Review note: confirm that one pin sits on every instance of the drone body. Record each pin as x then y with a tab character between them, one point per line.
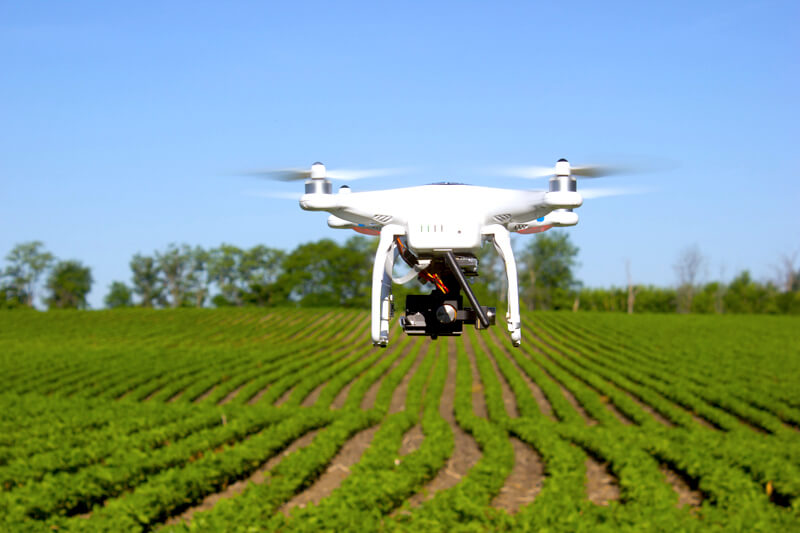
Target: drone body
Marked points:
438	229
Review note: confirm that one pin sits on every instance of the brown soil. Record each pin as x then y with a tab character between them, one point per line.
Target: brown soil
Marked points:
536	392
655	414
686	494
176	396
341	397
369	398
257	477
338	470
613	408
260	394
702	421
412	440
279	401
509	400
465	453
312	398
149	396
699	419
398	402
478	398
231	395
524	482
601	485
206	394
605	399
568	395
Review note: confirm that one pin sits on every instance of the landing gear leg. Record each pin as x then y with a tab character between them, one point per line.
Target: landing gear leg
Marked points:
502	243
382	284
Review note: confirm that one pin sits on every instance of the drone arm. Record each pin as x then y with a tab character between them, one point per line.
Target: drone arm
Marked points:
502	242
382	284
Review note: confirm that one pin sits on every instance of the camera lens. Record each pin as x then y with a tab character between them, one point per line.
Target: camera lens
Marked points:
446	314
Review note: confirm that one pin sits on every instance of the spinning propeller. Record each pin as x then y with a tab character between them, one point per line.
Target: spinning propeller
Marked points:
318	171
563	168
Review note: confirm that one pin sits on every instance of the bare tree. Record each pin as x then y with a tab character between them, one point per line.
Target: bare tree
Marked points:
690	264
786	272
631	289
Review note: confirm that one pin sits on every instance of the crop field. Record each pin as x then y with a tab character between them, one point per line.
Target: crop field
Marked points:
287	420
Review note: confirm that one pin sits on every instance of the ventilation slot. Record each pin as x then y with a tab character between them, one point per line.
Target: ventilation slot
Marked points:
383	219
501	219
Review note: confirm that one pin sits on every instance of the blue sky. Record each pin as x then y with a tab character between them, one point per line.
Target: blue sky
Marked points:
122	124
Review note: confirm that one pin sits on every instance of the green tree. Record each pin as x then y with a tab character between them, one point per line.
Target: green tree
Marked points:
258	271
491	285
175	265
745	295
223	269
68	284
119	295
10	299
27	262
323	273
546	277
198	279
147	283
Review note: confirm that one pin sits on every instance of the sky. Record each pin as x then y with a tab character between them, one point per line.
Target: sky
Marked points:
124	126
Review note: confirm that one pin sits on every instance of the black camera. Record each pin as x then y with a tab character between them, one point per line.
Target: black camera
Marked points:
442	312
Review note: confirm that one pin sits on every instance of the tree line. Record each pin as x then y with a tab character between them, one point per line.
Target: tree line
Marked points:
325	273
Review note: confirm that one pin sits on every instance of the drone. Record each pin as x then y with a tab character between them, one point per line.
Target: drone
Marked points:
437	230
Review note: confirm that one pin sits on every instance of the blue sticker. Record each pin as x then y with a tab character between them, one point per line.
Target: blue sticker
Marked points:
540	219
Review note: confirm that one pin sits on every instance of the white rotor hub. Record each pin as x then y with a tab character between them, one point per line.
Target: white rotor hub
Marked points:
318	171
562	168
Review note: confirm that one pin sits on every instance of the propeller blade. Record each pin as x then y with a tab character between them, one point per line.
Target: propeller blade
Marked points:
588	171
599	171
285	174
353	174
296	174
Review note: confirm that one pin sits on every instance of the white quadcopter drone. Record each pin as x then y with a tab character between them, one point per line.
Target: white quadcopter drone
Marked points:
437	230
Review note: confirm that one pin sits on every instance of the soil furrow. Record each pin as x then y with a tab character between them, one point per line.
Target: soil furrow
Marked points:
280	401
524	482
687	494
645	406
465	452
398	402
412	440
536	392
232	394
509	400
341	397
176	396
567	394
478	398
336	472
372	393
149	396
206	394
312	398
605	399
601	486
257	477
